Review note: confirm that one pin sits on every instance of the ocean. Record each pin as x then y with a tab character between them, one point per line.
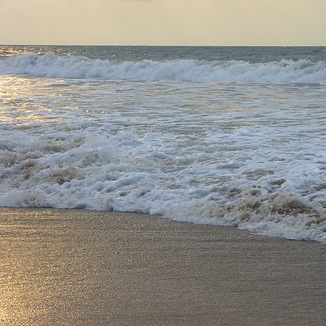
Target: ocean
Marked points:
230	136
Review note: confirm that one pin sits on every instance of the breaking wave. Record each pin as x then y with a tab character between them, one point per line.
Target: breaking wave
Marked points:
122	173
52	66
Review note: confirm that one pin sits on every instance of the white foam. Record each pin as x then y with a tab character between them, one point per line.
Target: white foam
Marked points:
124	172
50	65
226	154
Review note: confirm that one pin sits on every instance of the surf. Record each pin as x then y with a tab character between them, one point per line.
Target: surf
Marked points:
78	67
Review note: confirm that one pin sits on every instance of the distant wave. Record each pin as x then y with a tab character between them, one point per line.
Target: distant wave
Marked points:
52	66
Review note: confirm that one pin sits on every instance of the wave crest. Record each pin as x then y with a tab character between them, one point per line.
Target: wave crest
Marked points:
52	66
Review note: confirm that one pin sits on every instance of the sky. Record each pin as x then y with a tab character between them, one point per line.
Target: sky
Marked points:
163	22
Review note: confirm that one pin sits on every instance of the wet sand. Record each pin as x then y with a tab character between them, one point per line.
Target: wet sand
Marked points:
73	267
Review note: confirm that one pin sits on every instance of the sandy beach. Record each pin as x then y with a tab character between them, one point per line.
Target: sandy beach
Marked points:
75	267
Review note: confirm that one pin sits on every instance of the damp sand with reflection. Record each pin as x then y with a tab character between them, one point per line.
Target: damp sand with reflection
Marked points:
72	267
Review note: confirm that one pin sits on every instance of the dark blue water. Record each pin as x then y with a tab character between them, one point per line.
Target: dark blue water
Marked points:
162	53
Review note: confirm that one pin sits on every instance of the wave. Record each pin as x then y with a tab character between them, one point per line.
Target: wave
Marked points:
123	172
52	66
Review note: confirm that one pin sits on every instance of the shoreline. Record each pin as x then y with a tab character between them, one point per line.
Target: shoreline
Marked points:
76	267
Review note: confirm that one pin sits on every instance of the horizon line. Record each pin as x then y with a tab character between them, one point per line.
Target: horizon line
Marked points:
154	45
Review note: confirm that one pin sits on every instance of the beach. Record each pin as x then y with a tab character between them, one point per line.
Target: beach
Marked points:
78	267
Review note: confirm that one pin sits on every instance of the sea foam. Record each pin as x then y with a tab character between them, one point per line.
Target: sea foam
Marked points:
122	171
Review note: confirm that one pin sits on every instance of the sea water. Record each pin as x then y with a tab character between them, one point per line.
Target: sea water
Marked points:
215	135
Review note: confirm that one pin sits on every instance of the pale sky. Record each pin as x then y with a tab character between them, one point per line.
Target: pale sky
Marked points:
163	22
